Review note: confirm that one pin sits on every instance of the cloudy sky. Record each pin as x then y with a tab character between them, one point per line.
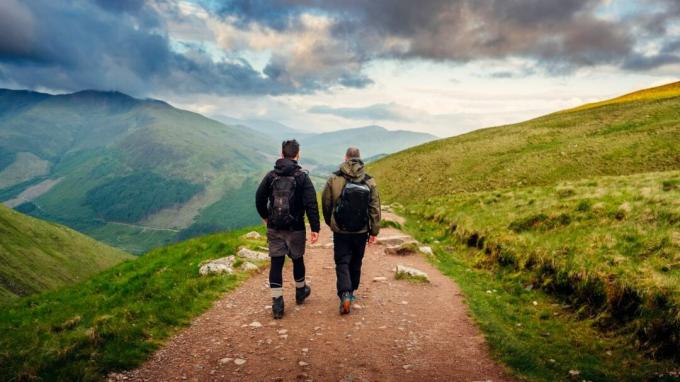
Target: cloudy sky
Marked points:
439	66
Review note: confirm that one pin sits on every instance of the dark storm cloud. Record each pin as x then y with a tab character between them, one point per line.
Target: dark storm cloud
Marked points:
127	45
560	34
122	45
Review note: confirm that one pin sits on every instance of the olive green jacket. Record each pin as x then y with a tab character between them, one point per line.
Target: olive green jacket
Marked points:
354	170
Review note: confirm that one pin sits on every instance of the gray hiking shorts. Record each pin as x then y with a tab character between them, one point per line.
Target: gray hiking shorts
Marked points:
284	242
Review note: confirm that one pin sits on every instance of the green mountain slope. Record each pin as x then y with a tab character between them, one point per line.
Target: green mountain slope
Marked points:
637	133
36	256
323	151
133	173
116	319
582	204
329	148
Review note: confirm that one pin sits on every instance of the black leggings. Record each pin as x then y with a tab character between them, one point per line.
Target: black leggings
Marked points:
276	271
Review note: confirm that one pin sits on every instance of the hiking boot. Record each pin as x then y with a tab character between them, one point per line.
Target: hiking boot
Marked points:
277	307
352	298
302	293
345	303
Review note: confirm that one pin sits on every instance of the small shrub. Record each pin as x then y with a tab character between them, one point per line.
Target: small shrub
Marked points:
668	217
539	221
670	184
527	223
583	206
566	192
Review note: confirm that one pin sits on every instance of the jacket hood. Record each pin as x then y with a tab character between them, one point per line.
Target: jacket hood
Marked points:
353	169
286	167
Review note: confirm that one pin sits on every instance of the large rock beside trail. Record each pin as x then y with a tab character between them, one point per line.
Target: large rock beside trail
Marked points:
222	265
404	272
252	235
402	249
252	255
424	249
249	267
394	240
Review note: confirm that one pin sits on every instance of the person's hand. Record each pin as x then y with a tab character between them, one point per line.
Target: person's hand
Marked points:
265	221
314	237
371	240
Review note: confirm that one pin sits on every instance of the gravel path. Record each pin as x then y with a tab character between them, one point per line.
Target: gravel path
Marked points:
398	331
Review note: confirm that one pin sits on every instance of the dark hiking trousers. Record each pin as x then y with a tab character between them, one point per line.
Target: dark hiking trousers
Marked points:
348	249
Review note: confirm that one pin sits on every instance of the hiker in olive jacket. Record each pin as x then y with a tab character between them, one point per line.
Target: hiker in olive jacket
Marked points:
350	244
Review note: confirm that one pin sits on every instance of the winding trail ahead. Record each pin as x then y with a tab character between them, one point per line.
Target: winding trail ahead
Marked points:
400	331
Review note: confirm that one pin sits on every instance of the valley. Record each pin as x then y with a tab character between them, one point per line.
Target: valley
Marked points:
561	233
139	173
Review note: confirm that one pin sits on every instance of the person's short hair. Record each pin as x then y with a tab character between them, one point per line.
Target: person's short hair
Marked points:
290	148
353	152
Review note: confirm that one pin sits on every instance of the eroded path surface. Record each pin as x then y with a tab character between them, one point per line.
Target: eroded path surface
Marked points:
399	331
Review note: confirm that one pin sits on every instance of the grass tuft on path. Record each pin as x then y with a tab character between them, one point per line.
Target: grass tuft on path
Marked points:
116	319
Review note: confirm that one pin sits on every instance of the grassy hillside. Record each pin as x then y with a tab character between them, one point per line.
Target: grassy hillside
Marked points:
581	204
130	172
609	246
116	319
36	256
636	134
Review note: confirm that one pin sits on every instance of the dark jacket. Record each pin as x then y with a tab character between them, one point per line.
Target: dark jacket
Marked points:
305	195
352	169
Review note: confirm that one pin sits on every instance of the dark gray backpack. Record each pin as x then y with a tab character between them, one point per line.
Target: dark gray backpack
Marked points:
351	212
281	202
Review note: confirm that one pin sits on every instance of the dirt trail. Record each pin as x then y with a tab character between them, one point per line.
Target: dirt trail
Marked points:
400	331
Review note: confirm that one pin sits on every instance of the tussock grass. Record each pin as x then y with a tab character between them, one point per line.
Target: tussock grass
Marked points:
116	319
385	223
611	249
411	278
538	337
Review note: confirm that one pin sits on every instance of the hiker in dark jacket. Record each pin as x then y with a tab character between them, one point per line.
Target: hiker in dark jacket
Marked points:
351	207
282	199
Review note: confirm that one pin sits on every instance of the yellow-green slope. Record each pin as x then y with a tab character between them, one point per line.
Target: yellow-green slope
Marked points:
636	133
36	255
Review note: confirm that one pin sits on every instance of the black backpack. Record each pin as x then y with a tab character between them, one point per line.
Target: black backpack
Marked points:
351	212
282	200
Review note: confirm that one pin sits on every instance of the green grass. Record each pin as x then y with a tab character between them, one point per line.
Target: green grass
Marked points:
580	206
541	341
639	135
385	223
609	245
116	319
412	278
36	256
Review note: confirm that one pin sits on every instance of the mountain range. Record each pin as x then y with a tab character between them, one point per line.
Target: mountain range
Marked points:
139	173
